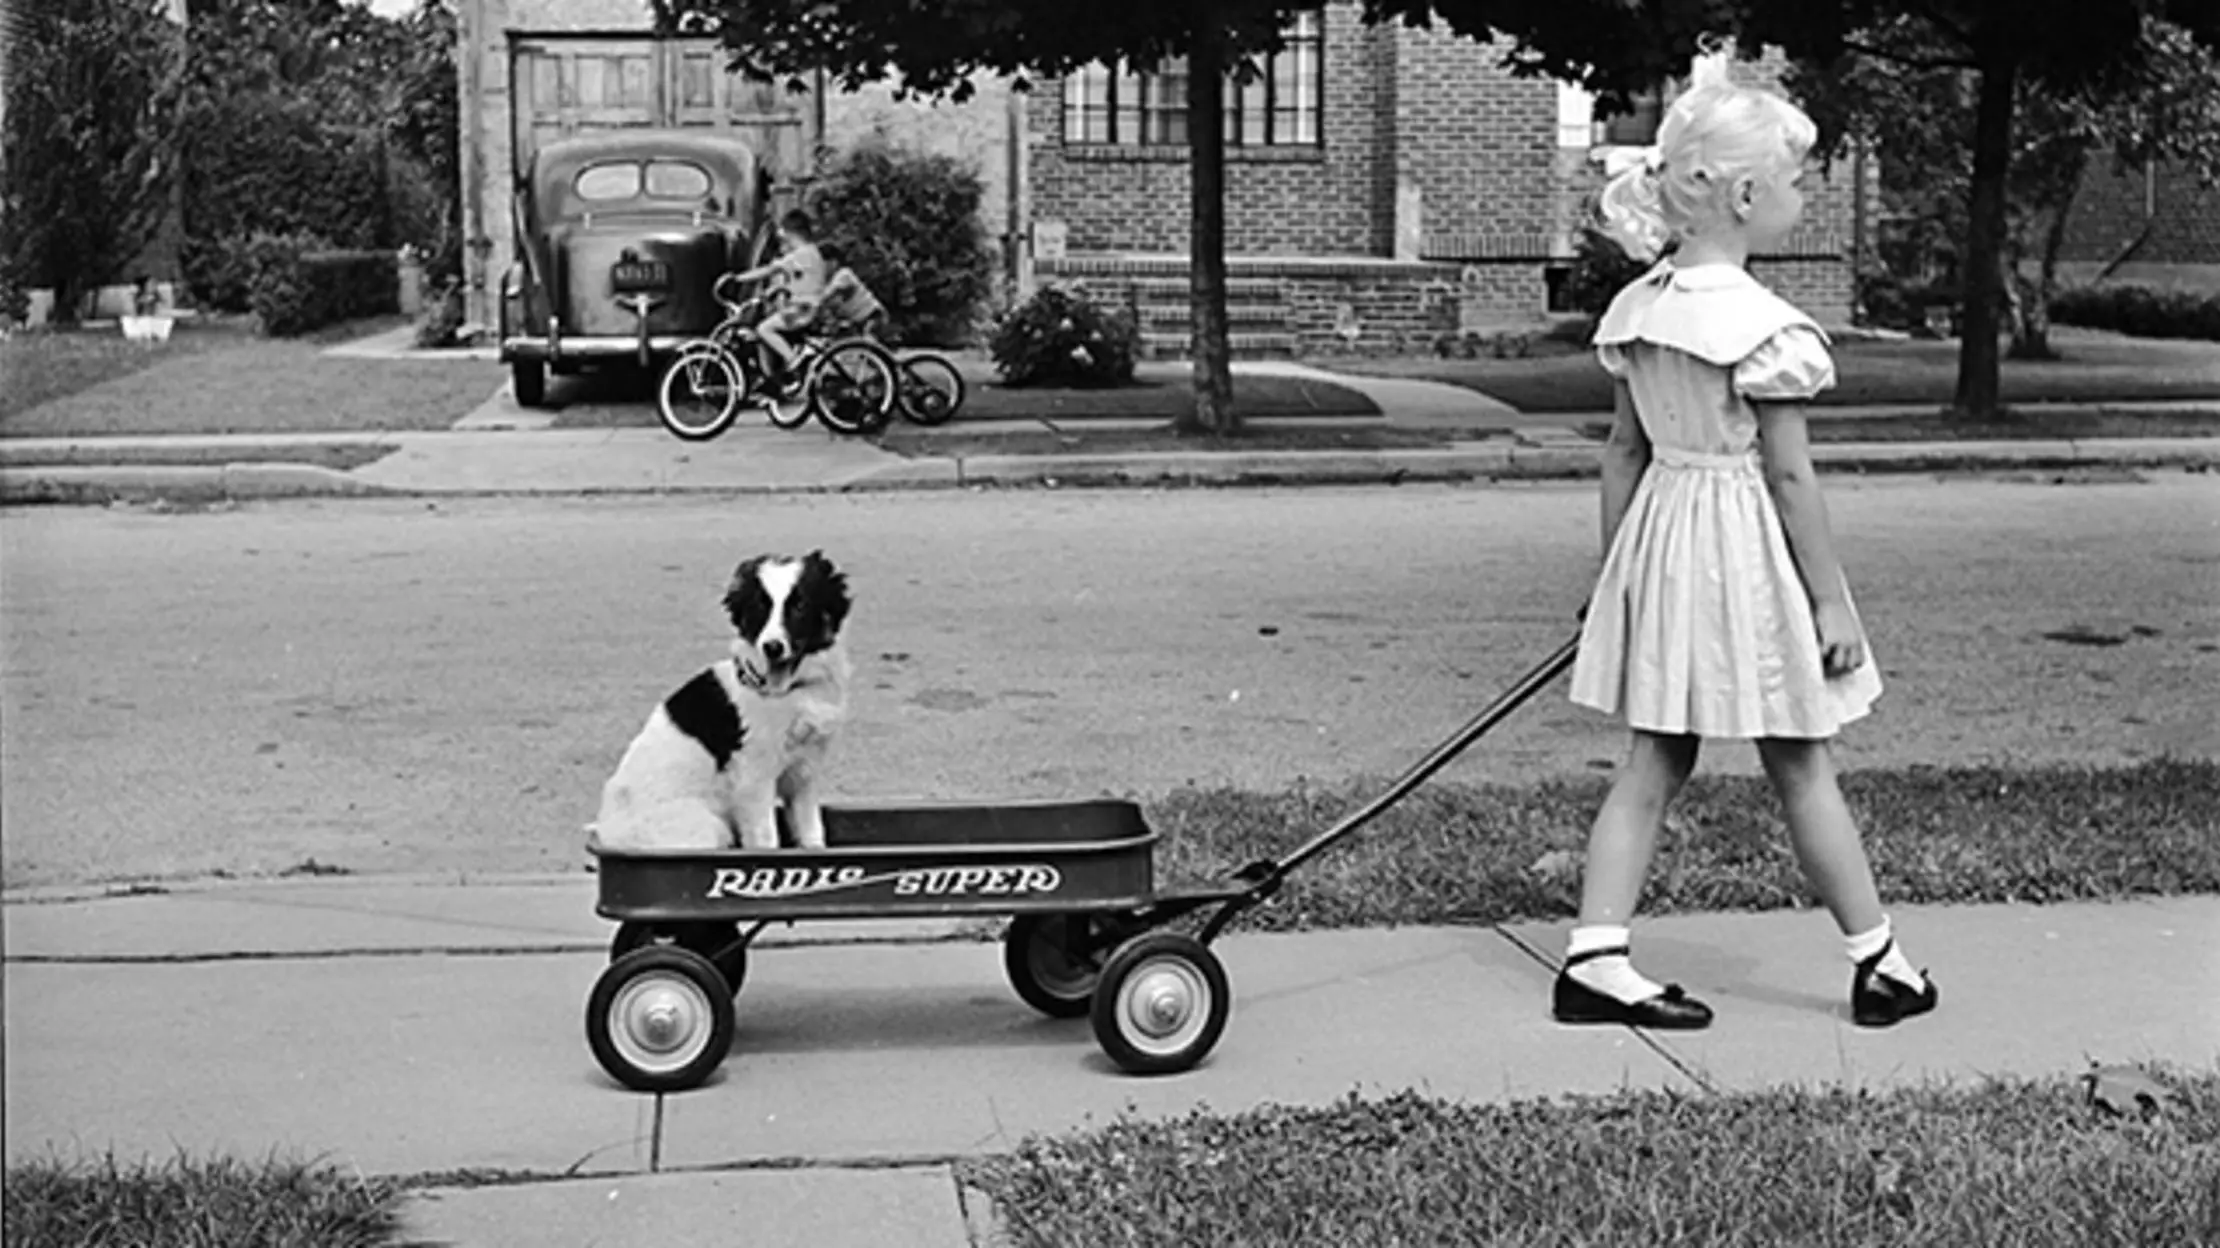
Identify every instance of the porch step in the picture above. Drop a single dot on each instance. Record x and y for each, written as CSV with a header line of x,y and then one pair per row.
x,y
1238,290
1276,345
1240,317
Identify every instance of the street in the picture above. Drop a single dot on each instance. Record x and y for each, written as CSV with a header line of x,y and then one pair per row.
x,y
408,686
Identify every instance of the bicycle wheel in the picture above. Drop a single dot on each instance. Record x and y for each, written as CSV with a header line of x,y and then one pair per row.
x,y
932,389
852,387
699,394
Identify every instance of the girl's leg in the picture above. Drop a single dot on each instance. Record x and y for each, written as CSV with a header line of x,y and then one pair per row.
x,y
1624,836
1599,983
1886,986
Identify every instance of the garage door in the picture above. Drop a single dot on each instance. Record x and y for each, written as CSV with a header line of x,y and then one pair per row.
x,y
565,85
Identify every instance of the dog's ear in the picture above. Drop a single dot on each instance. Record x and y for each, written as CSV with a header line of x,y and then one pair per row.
x,y
742,577
832,585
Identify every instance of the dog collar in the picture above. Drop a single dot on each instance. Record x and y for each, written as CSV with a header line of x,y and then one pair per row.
x,y
749,677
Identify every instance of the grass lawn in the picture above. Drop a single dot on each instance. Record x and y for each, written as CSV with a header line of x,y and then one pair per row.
x,y
1472,854
2006,1162
622,400
957,442
198,1203
220,377
2097,368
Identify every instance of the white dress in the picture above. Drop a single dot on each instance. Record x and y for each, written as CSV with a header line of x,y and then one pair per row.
x,y
1700,622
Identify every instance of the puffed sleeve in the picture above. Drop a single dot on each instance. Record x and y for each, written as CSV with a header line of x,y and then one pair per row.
x,y
1790,366
1613,358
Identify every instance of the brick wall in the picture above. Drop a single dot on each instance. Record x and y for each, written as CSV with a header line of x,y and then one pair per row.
x,y
1294,201
1433,152
2109,213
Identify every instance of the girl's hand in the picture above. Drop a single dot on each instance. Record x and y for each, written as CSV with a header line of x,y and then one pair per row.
x,y
1841,645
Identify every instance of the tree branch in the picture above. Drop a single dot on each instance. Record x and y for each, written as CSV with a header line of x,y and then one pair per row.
x,y
1906,59
1927,10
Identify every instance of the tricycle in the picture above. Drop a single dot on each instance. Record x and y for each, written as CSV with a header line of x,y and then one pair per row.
x,y
1088,934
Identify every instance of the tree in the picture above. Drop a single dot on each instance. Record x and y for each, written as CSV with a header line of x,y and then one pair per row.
x,y
2065,47
933,47
1919,122
91,132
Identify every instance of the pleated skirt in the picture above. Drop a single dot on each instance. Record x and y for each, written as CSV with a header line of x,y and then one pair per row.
x,y
1700,622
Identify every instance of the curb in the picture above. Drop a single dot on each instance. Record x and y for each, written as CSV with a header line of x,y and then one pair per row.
x,y
1493,461
195,483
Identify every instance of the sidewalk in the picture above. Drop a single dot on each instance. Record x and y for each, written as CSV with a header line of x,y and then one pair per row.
x,y
502,449
422,1027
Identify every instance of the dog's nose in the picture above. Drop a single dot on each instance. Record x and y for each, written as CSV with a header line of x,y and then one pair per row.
x,y
774,650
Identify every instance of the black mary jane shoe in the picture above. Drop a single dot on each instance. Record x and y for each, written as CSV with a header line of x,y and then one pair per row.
x,y
1671,1010
1878,1001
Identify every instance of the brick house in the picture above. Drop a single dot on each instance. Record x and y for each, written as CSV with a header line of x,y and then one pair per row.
x,y
532,69
1384,185
2156,225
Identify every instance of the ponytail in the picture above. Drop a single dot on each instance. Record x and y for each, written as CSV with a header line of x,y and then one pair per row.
x,y
1631,207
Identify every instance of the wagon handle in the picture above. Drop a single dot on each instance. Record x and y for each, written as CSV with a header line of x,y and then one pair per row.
x,y
1264,876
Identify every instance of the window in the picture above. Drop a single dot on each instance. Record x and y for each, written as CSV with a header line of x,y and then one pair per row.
x,y
598,182
1278,107
668,179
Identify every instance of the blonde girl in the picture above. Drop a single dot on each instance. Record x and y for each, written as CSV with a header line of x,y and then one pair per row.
x,y
1721,610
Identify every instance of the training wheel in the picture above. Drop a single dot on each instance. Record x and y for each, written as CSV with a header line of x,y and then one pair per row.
x,y
660,1019
1048,974
716,941
1162,1004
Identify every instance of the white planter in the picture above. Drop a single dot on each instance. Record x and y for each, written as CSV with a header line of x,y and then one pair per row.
x,y
148,328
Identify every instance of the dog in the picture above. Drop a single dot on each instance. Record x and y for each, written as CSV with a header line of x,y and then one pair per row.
x,y
718,756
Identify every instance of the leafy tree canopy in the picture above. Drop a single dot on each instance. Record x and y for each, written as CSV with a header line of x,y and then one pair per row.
x,y
933,47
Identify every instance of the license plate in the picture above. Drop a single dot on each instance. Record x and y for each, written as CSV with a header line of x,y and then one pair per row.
x,y
641,275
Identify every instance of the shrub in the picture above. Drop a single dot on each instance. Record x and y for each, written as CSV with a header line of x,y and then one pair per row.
x,y
908,224
2144,311
442,317
1600,269
260,164
1060,337
299,285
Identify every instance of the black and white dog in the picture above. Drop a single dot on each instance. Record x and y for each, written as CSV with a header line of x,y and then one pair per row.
x,y
718,756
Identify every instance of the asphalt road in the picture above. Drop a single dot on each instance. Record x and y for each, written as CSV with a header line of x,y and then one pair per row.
x,y
412,687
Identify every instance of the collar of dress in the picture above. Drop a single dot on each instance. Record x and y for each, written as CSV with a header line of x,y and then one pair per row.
x,y
1715,312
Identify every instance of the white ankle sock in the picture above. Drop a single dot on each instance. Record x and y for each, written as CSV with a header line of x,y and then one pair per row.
x,y
1614,975
1894,964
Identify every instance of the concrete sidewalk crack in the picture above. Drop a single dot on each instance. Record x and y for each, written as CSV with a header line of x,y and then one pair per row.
x,y
1671,1058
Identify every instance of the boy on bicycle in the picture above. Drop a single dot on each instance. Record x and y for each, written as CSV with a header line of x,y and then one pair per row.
x,y
801,268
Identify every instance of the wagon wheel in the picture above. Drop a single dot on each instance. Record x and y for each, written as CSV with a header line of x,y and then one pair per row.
x,y
1162,1004
1051,975
659,1020
718,942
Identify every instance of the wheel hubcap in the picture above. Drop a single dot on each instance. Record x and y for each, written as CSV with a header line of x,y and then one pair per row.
x,y
662,1022
1164,1005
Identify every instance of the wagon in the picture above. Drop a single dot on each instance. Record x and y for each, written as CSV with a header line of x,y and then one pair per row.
x,y
1090,934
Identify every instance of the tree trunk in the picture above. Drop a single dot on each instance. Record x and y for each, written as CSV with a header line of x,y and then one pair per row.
x,y
1981,268
2031,340
1206,144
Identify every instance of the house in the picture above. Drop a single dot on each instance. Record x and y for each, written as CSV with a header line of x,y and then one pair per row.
x,y
1384,185
530,70
2157,225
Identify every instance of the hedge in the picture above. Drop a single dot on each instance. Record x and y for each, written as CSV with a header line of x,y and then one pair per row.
x,y
299,285
260,164
2144,311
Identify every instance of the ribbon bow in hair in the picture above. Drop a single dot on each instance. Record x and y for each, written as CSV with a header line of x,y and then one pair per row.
x,y
1651,159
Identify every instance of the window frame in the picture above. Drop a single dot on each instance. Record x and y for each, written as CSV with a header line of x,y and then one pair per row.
x,y
1101,102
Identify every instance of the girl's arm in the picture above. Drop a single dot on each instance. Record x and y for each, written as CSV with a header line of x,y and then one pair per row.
x,y
1626,456
1785,448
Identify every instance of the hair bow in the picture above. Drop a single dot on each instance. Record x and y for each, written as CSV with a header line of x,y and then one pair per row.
x,y
1651,159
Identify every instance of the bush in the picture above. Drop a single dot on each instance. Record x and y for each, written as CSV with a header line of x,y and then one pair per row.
x,y
442,317
2144,311
1600,269
908,224
259,164
1060,337
299,285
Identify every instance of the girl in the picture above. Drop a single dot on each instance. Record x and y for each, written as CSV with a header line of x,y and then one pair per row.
x,y
1721,610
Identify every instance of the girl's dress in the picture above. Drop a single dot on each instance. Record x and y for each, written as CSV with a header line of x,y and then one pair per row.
x,y
1700,622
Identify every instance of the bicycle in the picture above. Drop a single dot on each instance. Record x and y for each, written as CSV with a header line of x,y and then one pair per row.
x,y
849,382
932,389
